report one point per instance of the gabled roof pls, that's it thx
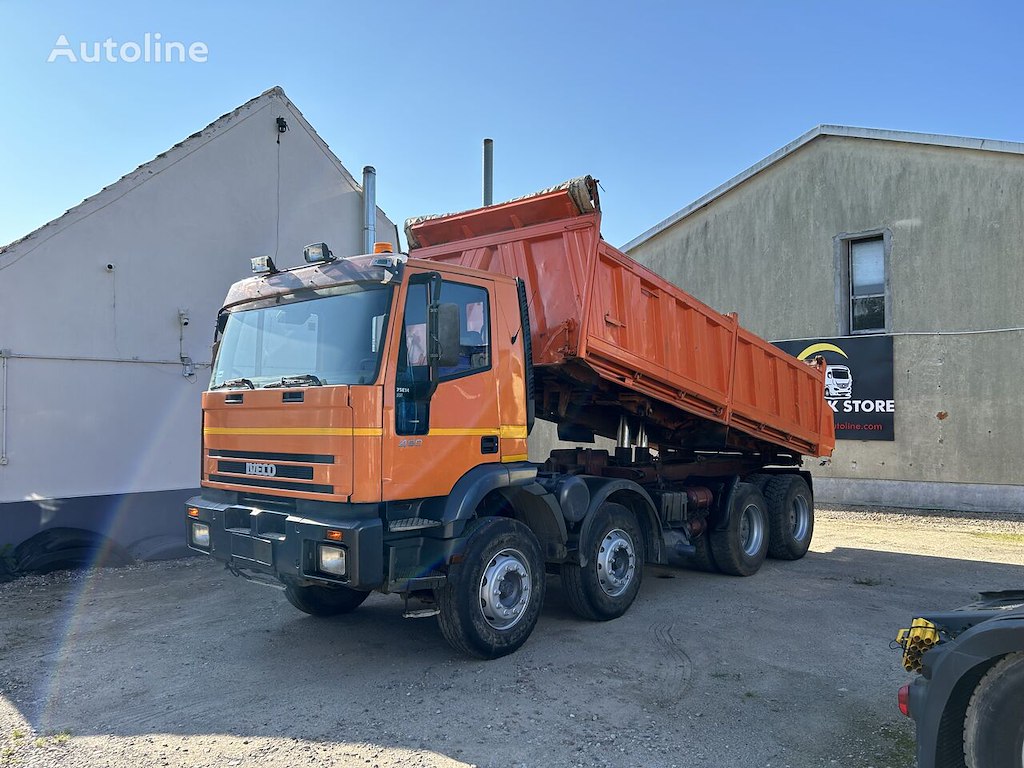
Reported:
(906, 137)
(22, 247)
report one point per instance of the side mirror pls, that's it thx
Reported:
(447, 352)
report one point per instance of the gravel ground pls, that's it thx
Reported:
(178, 663)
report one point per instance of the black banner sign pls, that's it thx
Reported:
(858, 382)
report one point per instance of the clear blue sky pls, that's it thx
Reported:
(661, 101)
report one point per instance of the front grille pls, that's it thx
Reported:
(281, 470)
(276, 484)
(308, 458)
(264, 469)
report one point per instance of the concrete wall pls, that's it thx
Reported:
(956, 219)
(97, 403)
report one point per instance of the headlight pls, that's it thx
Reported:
(332, 560)
(201, 535)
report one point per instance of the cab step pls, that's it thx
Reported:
(412, 524)
(421, 613)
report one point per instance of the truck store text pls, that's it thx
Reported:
(862, 406)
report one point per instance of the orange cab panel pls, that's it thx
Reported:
(281, 442)
(429, 444)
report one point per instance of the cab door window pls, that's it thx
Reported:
(474, 329)
(412, 376)
(412, 379)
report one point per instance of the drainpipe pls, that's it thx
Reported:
(369, 208)
(5, 355)
(488, 171)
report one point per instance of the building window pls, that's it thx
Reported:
(867, 285)
(862, 300)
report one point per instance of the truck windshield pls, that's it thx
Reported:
(301, 342)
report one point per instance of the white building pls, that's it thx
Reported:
(107, 317)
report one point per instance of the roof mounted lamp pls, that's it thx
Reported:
(263, 264)
(317, 252)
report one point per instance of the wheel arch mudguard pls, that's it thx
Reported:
(954, 676)
(721, 511)
(533, 506)
(634, 498)
(465, 496)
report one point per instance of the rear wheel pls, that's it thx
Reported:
(701, 559)
(607, 585)
(790, 517)
(759, 480)
(994, 725)
(325, 601)
(492, 599)
(740, 549)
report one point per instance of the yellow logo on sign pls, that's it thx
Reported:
(815, 348)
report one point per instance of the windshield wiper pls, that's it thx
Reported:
(234, 383)
(296, 381)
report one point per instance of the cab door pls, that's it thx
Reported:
(429, 443)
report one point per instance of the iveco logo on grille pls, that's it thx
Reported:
(255, 468)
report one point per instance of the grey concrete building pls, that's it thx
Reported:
(917, 238)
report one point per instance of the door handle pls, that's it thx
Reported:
(489, 444)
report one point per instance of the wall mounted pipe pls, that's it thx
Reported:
(369, 208)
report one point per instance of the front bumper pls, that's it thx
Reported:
(285, 546)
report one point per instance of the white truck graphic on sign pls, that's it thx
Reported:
(838, 381)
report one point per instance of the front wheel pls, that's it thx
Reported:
(994, 725)
(492, 599)
(606, 586)
(325, 601)
(741, 548)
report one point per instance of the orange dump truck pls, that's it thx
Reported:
(367, 422)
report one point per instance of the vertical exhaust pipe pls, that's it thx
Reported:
(369, 208)
(624, 441)
(488, 171)
(624, 437)
(643, 451)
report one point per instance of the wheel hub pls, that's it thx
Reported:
(751, 530)
(799, 518)
(505, 589)
(616, 562)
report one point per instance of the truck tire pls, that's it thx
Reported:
(790, 517)
(702, 559)
(66, 548)
(325, 601)
(606, 587)
(759, 480)
(741, 548)
(492, 599)
(994, 725)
